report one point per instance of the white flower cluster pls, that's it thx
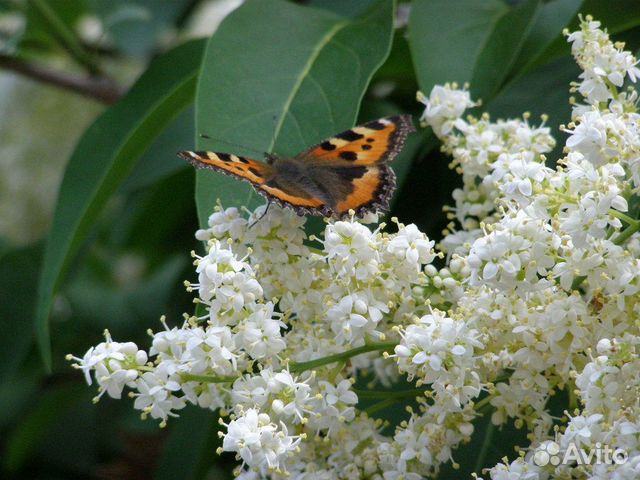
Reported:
(539, 293)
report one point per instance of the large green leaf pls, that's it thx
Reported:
(502, 48)
(189, 451)
(105, 155)
(159, 161)
(280, 77)
(553, 17)
(346, 9)
(468, 41)
(18, 273)
(136, 26)
(41, 32)
(544, 90)
(446, 38)
(616, 16)
(33, 428)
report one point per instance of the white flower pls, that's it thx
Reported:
(156, 397)
(411, 245)
(114, 365)
(498, 257)
(259, 335)
(601, 61)
(224, 222)
(519, 469)
(444, 105)
(354, 316)
(260, 443)
(582, 431)
(515, 175)
(440, 350)
(590, 136)
(281, 393)
(212, 350)
(226, 283)
(351, 248)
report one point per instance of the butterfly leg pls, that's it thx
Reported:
(263, 214)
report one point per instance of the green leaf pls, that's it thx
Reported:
(502, 48)
(33, 428)
(160, 161)
(15, 394)
(544, 90)
(18, 274)
(106, 304)
(552, 18)
(468, 41)
(616, 16)
(137, 26)
(104, 156)
(346, 9)
(281, 77)
(488, 446)
(39, 33)
(190, 447)
(447, 38)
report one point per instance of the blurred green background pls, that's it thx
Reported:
(105, 92)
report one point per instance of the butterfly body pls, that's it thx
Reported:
(348, 171)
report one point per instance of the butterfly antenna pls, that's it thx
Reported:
(237, 145)
(263, 214)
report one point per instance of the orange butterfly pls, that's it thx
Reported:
(347, 171)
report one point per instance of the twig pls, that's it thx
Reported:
(100, 88)
(65, 36)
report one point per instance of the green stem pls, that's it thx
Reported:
(626, 233)
(623, 216)
(380, 394)
(302, 366)
(316, 250)
(634, 226)
(298, 367)
(380, 405)
(573, 399)
(484, 449)
(482, 404)
(577, 282)
(64, 35)
(188, 377)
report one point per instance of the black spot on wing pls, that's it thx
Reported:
(348, 155)
(371, 140)
(328, 146)
(350, 173)
(243, 160)
(375, 125)
(366, 147)
(225, 157)
(256, 172)
(349, 136)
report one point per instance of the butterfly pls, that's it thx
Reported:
(348, 171)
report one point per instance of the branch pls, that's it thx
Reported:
(100, 88)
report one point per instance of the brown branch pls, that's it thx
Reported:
(100, 88)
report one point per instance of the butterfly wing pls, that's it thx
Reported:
(374, 142)
(242, 168)
(352, 165)
(262, 176)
